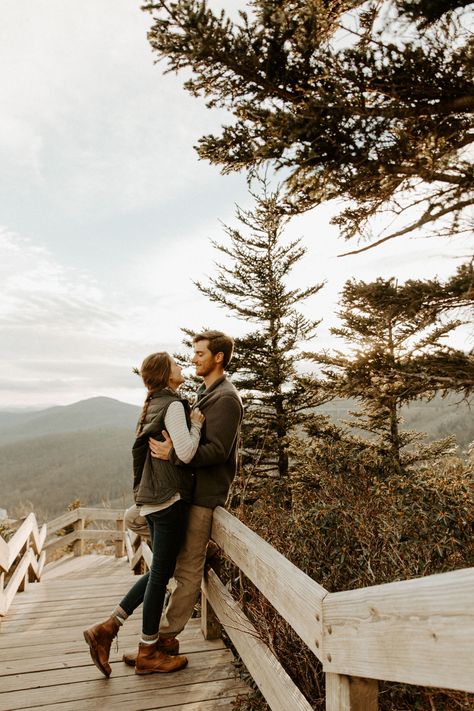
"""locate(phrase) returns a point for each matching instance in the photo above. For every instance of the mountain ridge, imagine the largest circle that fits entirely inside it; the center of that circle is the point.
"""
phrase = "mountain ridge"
(88, 414)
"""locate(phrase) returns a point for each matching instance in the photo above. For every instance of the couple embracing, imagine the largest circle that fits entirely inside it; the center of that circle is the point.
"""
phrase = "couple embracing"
(184, 460)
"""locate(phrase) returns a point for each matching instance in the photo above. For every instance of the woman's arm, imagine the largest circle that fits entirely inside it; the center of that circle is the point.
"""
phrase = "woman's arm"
(185, 441)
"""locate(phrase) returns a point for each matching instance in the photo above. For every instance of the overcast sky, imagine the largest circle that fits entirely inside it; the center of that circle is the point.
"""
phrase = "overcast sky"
(106, 213)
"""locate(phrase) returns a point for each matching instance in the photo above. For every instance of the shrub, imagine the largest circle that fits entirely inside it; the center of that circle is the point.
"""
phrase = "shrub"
(351, 524)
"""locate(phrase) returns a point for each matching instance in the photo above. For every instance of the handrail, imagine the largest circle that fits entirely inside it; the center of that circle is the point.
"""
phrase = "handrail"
(35, 545)
(418, 631)
(21, 560)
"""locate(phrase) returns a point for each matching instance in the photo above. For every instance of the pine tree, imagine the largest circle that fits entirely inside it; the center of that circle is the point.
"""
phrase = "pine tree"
(369, 102)
(251, 283)
(397, 356)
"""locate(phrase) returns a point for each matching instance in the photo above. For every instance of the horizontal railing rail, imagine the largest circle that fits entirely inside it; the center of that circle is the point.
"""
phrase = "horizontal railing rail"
(418, 631)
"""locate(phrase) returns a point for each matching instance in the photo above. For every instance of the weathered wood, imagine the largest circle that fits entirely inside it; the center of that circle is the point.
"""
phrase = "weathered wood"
(416, 631)
(78, 547)
(17, 579)
(119, 544)
(89, 514)
(51, 667)
(62, 521)
(344, 693)
(338, 696)
(210, 626)
(210, 696)
(294, 594)
(20, 538)
(267, 672)
(79, 535)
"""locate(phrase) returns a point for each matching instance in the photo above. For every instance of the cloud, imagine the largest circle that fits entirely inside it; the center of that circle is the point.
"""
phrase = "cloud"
(36, 290)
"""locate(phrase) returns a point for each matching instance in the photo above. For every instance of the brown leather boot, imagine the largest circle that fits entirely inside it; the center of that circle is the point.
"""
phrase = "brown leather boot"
(99, 638)
(168, 645)
(151, 660)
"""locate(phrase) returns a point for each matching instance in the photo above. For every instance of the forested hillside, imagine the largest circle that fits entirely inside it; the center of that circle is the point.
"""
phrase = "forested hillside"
(46, 473)
(440, 417)
(51, 457)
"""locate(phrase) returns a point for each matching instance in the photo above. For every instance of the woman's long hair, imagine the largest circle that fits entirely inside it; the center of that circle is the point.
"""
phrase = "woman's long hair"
(155, 372)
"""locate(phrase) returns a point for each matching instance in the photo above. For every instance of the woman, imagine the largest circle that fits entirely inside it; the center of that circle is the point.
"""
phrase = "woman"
(163, 491)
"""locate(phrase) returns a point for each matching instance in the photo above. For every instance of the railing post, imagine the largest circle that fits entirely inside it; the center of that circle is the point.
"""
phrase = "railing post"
(210, 626)
(351, 693)
(78, 546)
(23, 586)
(120, 544)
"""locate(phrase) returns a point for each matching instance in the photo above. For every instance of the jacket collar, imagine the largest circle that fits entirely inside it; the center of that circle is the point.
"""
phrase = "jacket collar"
(205, 391)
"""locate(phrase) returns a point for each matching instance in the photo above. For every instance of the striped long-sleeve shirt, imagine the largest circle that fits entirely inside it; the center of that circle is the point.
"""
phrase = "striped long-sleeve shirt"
(185, 443)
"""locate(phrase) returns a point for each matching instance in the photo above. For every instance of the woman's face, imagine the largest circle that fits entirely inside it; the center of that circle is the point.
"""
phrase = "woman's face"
(176, 376)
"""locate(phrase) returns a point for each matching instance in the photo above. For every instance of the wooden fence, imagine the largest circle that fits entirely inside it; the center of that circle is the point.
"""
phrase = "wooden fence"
(417, 631)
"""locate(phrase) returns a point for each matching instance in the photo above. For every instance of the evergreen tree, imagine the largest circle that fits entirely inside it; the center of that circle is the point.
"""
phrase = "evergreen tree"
(397, 356)
(251, 283)
(371, 102)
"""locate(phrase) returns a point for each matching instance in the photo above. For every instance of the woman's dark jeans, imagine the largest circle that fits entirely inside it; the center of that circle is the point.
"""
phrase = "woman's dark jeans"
(167, 529)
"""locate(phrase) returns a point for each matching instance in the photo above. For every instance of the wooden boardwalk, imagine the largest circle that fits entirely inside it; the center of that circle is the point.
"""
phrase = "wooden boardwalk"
(45, 662)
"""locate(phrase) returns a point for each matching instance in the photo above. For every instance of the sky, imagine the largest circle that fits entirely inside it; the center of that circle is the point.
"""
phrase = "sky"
(107, 214)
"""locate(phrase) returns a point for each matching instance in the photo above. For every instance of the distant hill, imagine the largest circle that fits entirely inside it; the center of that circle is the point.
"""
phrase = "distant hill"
(440, 417)
(47, 473)
(82, 451)
(51, 457)
(80, 416)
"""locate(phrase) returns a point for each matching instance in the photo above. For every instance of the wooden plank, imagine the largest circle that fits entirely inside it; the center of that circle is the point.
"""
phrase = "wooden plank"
(267, 672)
(78, 546)
(88, 534)
(345, 693)
(101, 514)
(210, 626)
(62, 521)
(4, 557)
(119, 545)
(212, 695)
(70, 641)
(27, 561)
(416, 631)
(90, 684)
(75, 674)
(20, 537)
(338, 697)
(88, 514)
(44, 658)
(294, 594)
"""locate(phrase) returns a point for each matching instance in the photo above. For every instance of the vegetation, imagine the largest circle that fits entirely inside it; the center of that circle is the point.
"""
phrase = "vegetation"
(252, 284)
(366, 529)
(397, 356)
(46, 473)
(369, 102)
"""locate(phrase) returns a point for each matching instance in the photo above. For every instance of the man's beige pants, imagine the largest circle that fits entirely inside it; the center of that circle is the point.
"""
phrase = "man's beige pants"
(189, 566)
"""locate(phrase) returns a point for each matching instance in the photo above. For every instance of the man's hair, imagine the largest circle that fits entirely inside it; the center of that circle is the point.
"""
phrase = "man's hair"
(218, 343)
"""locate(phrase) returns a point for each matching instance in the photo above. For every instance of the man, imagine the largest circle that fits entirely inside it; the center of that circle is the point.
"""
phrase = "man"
(215, 465)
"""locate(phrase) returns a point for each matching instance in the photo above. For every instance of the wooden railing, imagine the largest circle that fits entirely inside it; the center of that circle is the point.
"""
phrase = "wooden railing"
(417, 631)
(80, 520)
(21, 560)
(22, 557)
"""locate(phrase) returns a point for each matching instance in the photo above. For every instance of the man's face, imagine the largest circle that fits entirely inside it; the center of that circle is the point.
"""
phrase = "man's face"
(204, 360)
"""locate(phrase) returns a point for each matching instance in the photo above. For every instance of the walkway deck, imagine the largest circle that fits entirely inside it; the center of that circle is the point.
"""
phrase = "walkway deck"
(45, 662)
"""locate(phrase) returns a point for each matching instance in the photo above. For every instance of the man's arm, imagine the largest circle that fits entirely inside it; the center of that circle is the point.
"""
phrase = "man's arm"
(222, 422)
